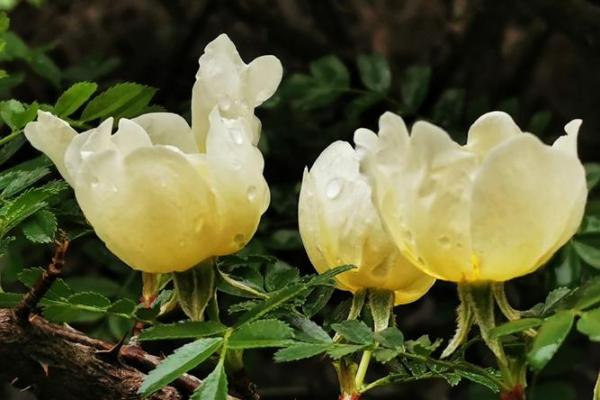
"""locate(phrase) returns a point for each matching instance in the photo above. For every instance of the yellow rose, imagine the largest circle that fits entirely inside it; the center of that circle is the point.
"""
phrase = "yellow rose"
(160, 197)
(492, 210)
(339, 225)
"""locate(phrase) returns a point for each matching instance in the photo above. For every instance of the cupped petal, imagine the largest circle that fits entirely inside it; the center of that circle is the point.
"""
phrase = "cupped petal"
(51, 135)
(339, 225)
(151, 208)
(87, 143)
(434, 190)
(129, 137)
(262, 79)
(236, 167)
(568, 142)
(168, 129)
(489, 131)
(528, 199)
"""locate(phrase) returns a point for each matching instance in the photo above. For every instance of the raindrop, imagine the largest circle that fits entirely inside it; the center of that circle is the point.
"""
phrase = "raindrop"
(237, 135)
(252, 192)
(181, 243)
(94, 181)
(444, 241)
(334, 188)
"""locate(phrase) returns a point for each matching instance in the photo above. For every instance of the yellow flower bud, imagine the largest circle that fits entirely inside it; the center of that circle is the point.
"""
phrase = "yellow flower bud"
(339, 225)
(164, 196)
(492, 210)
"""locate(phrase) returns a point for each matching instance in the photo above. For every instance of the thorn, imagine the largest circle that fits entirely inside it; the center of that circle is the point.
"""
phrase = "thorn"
(112, 354)
(25, 389)
(14, 381)
(45, 368)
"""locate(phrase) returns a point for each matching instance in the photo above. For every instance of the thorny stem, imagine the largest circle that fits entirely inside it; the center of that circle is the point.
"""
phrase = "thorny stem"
(24, 309)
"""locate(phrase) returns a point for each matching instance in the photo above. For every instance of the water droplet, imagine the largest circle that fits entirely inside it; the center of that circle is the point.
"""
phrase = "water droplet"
(94, 181)
(252, 192)
(239, 239)
(225, 104)
(181, 243)
(237, 135)
(444, 241)
(334, 188)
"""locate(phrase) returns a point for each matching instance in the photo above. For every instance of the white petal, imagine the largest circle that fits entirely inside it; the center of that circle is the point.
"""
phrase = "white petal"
(339, 225)
(433, 191)
(168, 129)
(152, 209)
(51, 135)
(489, 131)
(263, 77)
(568, 142)
(236, 167)
(527, 201)
(87, 143)
(129, 137)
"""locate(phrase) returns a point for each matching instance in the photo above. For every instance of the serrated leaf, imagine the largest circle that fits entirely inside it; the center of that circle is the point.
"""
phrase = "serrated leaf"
(115, 100)
(354, 331)
(263, 333)
(183, 330)
(317, 299)
(423, 345)
(309, 331)
(550, 337)
(384, 356)
(40, 227)
(9, 300)
(122, 307)
(13, 182)
(585, 297)
(242, 288)
(589, 254)
(280, 274)
(390, 337)
(16, 114)
(214, 387)
(28, 203)
(589, 324)
(90, 299)
(374, 72)
(182, 360)
(516, 326)
(337, 351)
(74, 97)
(300, 351)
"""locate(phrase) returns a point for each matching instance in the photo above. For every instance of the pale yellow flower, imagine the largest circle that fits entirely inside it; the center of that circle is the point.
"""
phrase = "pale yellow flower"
(339, 225)
(161, 198)
(494, 209)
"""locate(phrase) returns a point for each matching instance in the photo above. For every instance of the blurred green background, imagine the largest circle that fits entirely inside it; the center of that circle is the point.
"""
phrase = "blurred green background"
(449, 62)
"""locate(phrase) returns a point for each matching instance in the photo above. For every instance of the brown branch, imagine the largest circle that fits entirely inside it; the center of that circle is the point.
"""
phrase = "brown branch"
(59, 362)
(54, 270)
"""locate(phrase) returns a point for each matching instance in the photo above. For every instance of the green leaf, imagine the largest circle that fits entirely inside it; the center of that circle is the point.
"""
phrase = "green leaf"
(263, 333)
(330, 71)
(449, 108)
(74, 97)
(375, 72)
(317, 299)
(9, 300)
(585, 297)
(43, 65)
(300, 351)
(182, 360)
(550, 337)
(279, 275)
(16, 114)
(214, 387)
(40, 227)
(362, 103)
(27, 204)
(415, 85)
(589, 324)
(354, 331)
(117, 100)
(390, 337)
(195, 288)
(244, 288)
(183, 330)
(589, 254)
(518, 325)
(592, 172)
(309, 331)
(380, 305)
(16, 181)
(337, 351)
(423, 345)
(122, 307)
(539, 122)
(85, 306)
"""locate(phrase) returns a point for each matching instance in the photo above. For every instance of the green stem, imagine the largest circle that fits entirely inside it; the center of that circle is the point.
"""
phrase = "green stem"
(11, 136)
(507, 310)
(362, 369)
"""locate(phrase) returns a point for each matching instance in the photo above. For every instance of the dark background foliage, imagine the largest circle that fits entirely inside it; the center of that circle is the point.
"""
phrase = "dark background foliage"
(537, 59)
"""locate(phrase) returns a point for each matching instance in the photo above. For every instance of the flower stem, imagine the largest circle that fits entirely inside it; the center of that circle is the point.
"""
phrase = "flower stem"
(10, 137)
(362, 369)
